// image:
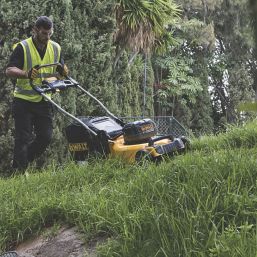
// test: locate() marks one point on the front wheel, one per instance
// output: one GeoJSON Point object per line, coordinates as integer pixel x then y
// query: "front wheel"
{"type": "Point", "coordinates": [143, 156]}
{"type": "Point", "coordinates": [186, 143]}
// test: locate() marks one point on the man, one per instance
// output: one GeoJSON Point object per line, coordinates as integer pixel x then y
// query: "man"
{"type": "Point", "coordinates": [30, 111]}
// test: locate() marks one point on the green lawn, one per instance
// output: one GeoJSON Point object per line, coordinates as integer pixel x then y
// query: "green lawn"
{"type": "Point", "coordinates": [203, 203]}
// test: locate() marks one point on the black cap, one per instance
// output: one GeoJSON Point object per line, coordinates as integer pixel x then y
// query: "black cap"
{"type": "Point", "coordinates": [44, 22]}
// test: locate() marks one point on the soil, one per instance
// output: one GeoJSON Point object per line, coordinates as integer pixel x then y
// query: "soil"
{"type": "Point", "coordinates": [66, 242]}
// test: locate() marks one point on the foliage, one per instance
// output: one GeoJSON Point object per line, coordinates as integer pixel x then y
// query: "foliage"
{"type": "Point", "coordinates": [182, 77]}
{"type": "Point", "coordinates": [232, 67]}
{"type": "Point", "coordinates": [180, 81]}
{"type": "Point", "coordinates": [216, 37]}
{"type": "Point", "coordinates": [140, 23]}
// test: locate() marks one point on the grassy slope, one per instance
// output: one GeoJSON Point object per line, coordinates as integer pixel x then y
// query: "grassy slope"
{"type": "Point", "coordinates": [200, 204]}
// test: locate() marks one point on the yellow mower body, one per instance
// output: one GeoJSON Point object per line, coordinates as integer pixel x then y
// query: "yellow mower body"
{"type": "Point", "coordinates": [118, 148]}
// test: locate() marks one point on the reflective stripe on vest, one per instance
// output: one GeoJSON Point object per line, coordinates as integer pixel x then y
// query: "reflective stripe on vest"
{"type": "Point", "coordinates": [32, 58]}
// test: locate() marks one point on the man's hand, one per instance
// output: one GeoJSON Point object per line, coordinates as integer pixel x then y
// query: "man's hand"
{"type": "Point", "coordinates": [63, 70]}
{"type": "Point", "coordinates": [33, 73]}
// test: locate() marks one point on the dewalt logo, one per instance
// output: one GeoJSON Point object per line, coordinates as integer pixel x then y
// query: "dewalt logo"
{"type": "Point", "coordinates": [147, 128]}
{"type": "Point", "coordinates": [77, 147]}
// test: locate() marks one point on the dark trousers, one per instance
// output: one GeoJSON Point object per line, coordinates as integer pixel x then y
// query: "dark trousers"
{"type": "Point", "coordinates": [33, 130]}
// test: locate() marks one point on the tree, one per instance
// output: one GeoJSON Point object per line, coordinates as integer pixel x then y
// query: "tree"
{"type": "Point", "coordinates": [230, 67]}
{"type": "Point", "coordinates": [253, 17]}
{"type": "Point", "coordinates": [184, 68]}
{"type": "Point", "coordinates": [140, 23]}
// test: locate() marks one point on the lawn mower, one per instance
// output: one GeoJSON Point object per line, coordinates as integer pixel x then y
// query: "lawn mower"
{"type": "Point", "coordinates": [109, 136]}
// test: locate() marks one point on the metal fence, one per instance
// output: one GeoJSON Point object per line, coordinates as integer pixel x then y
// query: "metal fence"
{"type": "Point", "coordinates": [166, 125]}
{"type": "Point", "coordinates": [9, 254]}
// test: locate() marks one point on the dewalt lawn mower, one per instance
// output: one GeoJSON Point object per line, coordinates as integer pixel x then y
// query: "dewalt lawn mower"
{"type": "Point", "coordinates": [109, 136]}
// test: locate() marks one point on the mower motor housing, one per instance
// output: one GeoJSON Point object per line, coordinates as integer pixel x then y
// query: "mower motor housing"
{"type": "Point", "coordinates": [138, 132]}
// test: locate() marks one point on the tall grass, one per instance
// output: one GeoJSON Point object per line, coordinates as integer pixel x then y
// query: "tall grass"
{"type": "Point", "coordinates": [200, 204]}
{"type": "Point", "coordinates": [243, 136]}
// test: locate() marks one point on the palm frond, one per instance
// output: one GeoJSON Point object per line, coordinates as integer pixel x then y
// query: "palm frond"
{"type": "Point", "coordinates": [140, 22]}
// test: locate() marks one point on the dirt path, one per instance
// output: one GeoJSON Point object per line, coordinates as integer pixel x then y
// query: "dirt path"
{"type": "Point", "coordinates": [66, 242]}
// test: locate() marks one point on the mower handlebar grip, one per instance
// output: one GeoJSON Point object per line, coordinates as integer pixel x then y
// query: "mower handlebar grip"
{"type": "Point", "coordinates": [38, 67]}
{"type": "Point", "coordinates": [57, 85]}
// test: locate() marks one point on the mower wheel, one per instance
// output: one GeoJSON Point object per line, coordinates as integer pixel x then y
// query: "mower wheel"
{"type": "Point", "coordinates": [186, 142]}
{"type": "Point", "coordinates": [142, 156]}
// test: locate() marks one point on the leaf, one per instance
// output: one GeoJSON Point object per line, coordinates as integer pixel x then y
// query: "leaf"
{"type": "Point", "coordinates": [247, 107]}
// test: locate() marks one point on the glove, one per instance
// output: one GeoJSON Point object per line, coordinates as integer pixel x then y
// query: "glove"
{"type": "Point", "coordinates": [33, 73]}
{"type": "Point", "coordinates": [63, 70]}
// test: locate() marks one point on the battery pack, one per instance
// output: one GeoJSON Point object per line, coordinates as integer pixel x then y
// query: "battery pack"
{"type": "Point", "coordinates": [139, 131]}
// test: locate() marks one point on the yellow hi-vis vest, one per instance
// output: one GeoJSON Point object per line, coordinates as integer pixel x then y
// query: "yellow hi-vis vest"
{"type": "Point", "coordinates": [32, 58]}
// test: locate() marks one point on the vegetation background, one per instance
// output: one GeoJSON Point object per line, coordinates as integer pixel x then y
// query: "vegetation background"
{"type": "Point", "coordinates": [197, 56]}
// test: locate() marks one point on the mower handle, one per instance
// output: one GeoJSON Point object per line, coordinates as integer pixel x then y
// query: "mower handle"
{"type": "Point", "coordinates": [38, 67]}
{"type": "Point", "coordinates": [57, 85]}
{"type": "Point", "coordinates": [38, 88]}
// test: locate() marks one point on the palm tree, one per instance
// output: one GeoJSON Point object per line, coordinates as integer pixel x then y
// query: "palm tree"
{"type": "Point", "coordinates": [140, 23]}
